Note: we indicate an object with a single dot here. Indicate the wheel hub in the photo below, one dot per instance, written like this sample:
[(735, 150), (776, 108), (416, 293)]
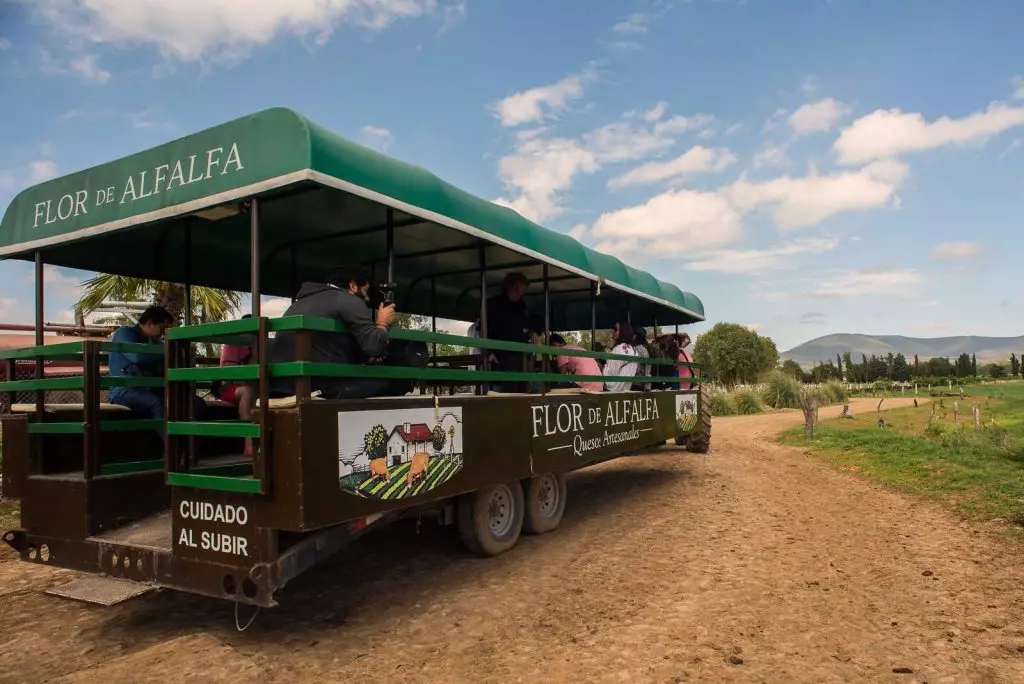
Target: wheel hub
[(499, 511), (547, 495)]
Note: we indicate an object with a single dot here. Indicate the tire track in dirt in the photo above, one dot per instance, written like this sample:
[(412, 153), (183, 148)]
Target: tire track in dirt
[(666, 568)]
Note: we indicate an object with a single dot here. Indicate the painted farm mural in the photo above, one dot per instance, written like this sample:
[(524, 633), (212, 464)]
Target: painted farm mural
[(400, 453), (686, 412)]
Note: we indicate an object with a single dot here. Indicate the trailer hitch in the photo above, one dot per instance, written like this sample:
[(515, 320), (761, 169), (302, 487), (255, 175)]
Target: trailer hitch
[(15, 539)]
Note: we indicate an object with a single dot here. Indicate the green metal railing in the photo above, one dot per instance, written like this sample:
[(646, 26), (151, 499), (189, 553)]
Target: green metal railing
[(246, 331)]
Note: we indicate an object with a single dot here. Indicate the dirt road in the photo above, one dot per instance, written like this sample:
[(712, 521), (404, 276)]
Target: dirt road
[(754, 563)]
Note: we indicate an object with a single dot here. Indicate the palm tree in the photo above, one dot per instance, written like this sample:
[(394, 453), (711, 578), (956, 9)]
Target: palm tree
[(208, 304)]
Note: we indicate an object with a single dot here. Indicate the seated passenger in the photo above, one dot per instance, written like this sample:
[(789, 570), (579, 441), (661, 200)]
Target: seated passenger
[(644, 352), (684, 357), (344, 297), (239, 393), (147, 402), (577, 365), (625, 371)]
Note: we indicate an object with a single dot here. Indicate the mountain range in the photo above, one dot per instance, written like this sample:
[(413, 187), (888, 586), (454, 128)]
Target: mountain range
[(987, 349)]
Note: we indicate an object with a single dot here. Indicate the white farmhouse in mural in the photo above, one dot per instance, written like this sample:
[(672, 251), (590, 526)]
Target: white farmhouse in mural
[(406, 440)]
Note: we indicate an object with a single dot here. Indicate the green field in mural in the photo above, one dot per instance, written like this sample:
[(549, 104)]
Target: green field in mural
[(396, 486)]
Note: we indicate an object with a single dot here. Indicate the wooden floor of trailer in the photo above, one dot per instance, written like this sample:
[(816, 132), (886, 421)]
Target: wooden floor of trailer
[(755, 563)]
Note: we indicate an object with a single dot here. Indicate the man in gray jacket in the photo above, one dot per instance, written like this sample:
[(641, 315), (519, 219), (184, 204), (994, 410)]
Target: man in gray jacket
[(345, 297)]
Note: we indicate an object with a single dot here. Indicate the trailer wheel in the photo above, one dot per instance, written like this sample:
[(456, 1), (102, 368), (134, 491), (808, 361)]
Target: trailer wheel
[(490, 519), (699, 442), (545, 503)]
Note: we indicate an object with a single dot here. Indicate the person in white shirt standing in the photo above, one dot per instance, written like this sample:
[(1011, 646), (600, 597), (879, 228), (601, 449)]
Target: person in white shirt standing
[(620, 374)]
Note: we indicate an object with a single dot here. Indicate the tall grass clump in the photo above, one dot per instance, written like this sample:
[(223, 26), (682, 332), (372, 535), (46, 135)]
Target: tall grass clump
[(781, 391), (746, 402), (833, 392), (720, 403)]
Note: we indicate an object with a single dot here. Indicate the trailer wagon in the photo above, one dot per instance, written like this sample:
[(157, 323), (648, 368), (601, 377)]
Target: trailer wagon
[(263, 203)]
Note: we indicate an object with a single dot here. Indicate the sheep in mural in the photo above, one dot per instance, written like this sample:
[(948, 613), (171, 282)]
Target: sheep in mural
[(418, 467)]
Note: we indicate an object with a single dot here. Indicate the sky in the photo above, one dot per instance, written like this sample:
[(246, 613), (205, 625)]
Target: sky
[(805, 167)]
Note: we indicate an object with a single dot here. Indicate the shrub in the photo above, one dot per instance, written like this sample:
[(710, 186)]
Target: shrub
[(747, 402), (833, 392), (720, 404), (781, 390)]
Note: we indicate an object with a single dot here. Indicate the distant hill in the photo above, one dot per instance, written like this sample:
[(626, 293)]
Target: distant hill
[(988, 349)]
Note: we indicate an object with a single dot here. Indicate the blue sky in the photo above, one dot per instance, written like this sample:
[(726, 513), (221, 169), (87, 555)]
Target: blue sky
[(805, 167)]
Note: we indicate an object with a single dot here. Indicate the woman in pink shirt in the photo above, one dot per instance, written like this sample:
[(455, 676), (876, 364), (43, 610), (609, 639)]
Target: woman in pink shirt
[(238, 393), (577, 365), (684, 371)]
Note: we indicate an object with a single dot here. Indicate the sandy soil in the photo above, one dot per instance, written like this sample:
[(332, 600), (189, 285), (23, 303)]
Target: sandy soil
[(755, 563)]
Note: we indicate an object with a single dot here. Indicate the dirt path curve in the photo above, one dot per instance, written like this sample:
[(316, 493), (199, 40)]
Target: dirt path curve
[(666, 567)]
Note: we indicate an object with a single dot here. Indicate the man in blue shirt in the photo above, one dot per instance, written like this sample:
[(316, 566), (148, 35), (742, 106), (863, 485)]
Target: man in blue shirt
[(147, 402)]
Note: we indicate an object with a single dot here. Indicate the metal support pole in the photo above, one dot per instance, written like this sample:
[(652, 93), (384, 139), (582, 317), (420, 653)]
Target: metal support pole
[(593, 316), (485, 353), (254, 246), (188, 274), (391, 245), (39, 302), (433, 323), (545, 359), (293, 275)]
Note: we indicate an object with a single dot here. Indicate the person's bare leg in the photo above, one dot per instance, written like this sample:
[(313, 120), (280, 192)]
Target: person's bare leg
[(244, 396)]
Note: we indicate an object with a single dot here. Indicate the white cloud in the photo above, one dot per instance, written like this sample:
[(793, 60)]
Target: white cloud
[(41, 170), (670, 223), (948, 251), (804, 202), (817, 117), (933, 302), (771, 155), (541, 168), (578, 231), (893, 282), (683, 124), (809, 84), (810, 317), (274, 307), (192, 30), (656, 112), (60, 283), (891, 132), (5, 44), (7, 307), (636, 23), (775, 120), (1018, 83), (539, 171), (376, 137), (734, 129), (753, 327), (1014, 145), (141, 119), (755, 261), (537, 104), (87, 68), (695, 160)]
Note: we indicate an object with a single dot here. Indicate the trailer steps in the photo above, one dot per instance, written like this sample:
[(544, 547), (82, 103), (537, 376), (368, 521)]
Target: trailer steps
[(101, 591)]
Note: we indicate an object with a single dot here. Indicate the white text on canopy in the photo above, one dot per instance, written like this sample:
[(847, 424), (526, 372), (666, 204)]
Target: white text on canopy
[(196, 168)]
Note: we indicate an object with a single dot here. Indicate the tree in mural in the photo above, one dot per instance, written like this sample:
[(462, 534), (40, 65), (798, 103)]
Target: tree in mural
[(439, 437), (375, 442)]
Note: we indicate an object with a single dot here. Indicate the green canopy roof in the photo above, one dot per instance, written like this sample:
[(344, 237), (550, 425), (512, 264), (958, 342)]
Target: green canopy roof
[(324, 201)]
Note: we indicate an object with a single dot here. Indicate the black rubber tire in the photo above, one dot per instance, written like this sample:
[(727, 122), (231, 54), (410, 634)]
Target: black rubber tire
[(699, 442), (474, 520), (535, 520)]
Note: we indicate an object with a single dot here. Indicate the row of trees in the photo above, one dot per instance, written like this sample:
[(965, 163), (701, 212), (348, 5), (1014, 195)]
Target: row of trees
[(896, 368)]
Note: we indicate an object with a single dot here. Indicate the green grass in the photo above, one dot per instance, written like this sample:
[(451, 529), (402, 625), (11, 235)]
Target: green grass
[(980, 472)]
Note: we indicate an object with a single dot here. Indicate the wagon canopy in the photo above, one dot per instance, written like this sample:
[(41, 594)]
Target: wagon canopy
[(174, 213)]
